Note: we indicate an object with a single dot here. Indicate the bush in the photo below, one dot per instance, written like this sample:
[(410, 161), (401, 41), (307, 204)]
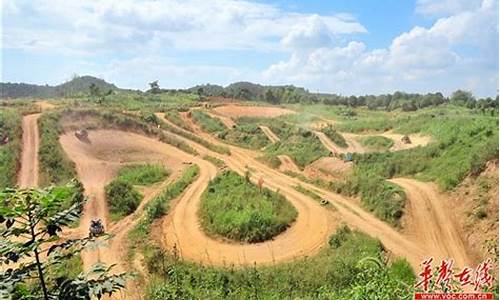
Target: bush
[(122, 198), (340, 236), (142, 174), (235, 208)]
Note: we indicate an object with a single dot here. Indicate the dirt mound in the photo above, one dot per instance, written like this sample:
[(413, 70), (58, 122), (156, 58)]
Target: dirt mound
[(270, 134), (287, 164), (235, 111), (328, 168)]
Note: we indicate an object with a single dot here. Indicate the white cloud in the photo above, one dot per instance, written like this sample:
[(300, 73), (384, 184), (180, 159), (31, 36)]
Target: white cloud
[(129, 25), (445, 7), (422, 59)]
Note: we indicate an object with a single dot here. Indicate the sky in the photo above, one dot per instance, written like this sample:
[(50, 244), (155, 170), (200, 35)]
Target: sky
[(349, 47)]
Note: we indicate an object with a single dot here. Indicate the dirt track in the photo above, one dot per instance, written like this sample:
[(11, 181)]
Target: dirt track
[(405, 245), (287, 164), (28, 174), (270, 134)]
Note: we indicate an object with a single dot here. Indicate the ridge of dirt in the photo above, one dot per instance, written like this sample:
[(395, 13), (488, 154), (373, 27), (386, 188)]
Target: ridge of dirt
[(270, 134), (28, 173)]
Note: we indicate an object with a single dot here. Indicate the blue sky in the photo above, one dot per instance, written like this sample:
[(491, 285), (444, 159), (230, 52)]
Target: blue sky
[(344, 46)]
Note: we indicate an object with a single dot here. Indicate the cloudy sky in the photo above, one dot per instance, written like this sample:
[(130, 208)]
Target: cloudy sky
[(343, 46)]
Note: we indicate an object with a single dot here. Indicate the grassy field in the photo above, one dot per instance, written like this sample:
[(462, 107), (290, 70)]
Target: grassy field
[(245, 135), (235, 208), (206, 122), (145, 174), (10, 153), (174, 117), (377, 143)]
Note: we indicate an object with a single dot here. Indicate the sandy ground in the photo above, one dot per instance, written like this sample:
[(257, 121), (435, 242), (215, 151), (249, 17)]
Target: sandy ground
[(235, 111), (416, 140), (328, 168), (270, 134), (287, 164), (429, 218), (28, 174)]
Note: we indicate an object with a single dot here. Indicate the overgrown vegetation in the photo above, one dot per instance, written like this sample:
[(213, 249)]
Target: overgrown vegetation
[(206, 122), (352, 270), (122, 198), (271, 160), (333, 135), (55, 166), (217, 162), (235, 208), (145, 174), (10, 146), (377, 143), (173, 116), (245, 135)]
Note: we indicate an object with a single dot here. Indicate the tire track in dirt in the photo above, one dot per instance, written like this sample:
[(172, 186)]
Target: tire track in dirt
[(270, 134), (28, 173), (403, 245), (431, 221)]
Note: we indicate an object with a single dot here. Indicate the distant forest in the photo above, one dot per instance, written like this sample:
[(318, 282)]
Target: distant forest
[(248, 91)]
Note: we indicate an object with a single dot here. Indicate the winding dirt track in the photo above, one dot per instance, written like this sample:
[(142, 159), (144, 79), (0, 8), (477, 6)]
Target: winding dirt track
[(28, 173), (270, 134), (412, 247)]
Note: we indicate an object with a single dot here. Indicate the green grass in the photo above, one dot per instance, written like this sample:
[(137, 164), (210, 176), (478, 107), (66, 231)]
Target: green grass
[(335, 273), (55, 166), (122, 198), (377, 143), (217, 162), (235, 208), (307, 192), (206, 122), (173, 116), (271, 160), (10, 153), (333, 135), (145, 174), (245, 135)]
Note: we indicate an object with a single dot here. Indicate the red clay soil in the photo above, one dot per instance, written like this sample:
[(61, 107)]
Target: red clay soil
[(235, 111)]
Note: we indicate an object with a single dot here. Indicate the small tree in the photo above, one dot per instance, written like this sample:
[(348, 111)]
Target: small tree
[(155, 87), (31, 221)]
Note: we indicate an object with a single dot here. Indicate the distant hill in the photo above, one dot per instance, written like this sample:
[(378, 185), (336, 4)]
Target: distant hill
[(73, 87)]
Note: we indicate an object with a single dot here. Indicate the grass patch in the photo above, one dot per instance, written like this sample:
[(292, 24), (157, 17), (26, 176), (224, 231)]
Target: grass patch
[(10, 153), (206, 122), (235, 208), (307, 192), (146, 174), (173, 116), (55, 166), (123, 199), (217, 162), (333, 135), (271, 160), (246, 135), (377, 142)]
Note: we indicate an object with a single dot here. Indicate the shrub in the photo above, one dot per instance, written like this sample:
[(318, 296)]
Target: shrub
[(122, 198), (333, 135), (340, 236)]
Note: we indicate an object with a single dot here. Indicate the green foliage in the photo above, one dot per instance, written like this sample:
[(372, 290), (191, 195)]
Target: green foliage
[(377, 143), (245, 135), (173, 116), (38, 216), (206, 122), (234, 208), (146, 174), (336, 137), (340, 236), (271, 160), (55, 166), (122, 198), (217, 162), (10, 126)]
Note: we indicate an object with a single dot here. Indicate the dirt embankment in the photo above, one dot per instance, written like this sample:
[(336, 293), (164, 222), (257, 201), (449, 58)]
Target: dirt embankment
[(228, 122), (270, 134), (287, 164)]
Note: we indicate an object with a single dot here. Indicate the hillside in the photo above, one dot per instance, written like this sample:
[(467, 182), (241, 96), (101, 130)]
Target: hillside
[(69, 88)]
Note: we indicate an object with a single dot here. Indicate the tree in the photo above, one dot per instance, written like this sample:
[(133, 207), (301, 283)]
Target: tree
[(155, 87), (30, 246), (461, 98)]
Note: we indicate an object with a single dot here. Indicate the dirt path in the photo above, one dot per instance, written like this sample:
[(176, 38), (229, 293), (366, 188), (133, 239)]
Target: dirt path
[(287, 164), (416, 140), (404, 245), (270, 134), (429, 219), (330, 145), (28, 174)]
